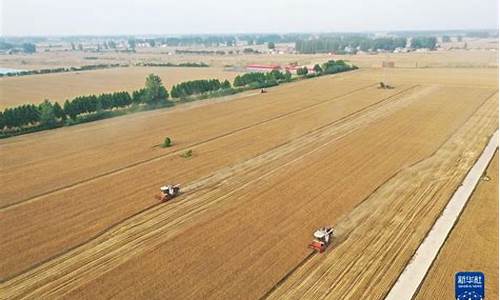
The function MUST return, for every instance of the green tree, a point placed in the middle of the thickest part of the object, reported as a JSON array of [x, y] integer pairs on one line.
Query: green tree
[[226, 84], [318, 69], [138, 96], [167, 142], [302, 71], [59, 112], [155, 92], [2, 121], [69, 109], [47, 115], [271, 45], [29, 48], [131, 43]]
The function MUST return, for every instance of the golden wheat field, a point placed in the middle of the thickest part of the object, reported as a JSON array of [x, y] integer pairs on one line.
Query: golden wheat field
[[61, 86], [266, 170]]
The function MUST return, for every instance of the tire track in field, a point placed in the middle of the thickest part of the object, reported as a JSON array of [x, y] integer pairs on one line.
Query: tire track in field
[[378, 236], [179, 151], [161, 222]]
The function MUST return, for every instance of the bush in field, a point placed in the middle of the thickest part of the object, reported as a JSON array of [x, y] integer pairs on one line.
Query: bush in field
[[187, 154], [166, 143]]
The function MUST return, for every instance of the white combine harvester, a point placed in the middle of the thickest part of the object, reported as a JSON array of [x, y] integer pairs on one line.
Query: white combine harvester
[[322, 239], [168, 192]]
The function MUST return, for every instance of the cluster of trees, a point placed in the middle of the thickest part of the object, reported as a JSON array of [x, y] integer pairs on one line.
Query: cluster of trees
[[478, 34], [339, 44], [60, 70], [49, 114], [45, 113], [28, 48], [334, 66], [424, 42], [250, 51], [203, 52], [193, 87], [330, 67], [93, 103], [446, 38], [270, 78], [154, 94], [100, 66], [217, 40]]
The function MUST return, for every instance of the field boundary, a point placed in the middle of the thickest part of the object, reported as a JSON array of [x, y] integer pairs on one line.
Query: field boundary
[[415, 272]]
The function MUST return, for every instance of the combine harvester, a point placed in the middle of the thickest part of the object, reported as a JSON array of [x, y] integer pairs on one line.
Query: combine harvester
[[168, 192], [322, 239]]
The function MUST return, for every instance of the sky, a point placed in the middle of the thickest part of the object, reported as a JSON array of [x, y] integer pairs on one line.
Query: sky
[[135, 17]]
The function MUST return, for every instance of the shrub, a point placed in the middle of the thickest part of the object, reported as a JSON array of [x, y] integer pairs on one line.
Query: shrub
[[187, 154], [166, 143]]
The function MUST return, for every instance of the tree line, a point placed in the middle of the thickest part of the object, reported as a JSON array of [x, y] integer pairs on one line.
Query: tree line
[[424, 42], [193, 87], [203, 52], [187, 64], [100, 66], [63, 69], [52, 114], [341, 44], [46, 115], [258, 78]]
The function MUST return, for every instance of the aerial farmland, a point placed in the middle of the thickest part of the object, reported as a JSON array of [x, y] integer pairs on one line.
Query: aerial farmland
[[248, 166]]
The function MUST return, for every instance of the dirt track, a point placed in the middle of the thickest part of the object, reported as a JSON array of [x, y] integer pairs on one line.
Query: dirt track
[[258, 175]]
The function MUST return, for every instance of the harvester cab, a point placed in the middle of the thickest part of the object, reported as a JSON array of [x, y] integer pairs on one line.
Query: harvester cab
[[168, 192], [322, 239]]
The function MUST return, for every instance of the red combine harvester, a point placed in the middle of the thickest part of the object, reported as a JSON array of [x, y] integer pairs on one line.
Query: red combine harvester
[[322, 239], [168, 192]]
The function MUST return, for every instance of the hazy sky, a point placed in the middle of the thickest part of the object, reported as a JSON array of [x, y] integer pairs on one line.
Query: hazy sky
[[101, 17]]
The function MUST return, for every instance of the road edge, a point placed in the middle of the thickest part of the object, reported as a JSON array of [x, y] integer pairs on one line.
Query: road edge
[[416, 270]]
